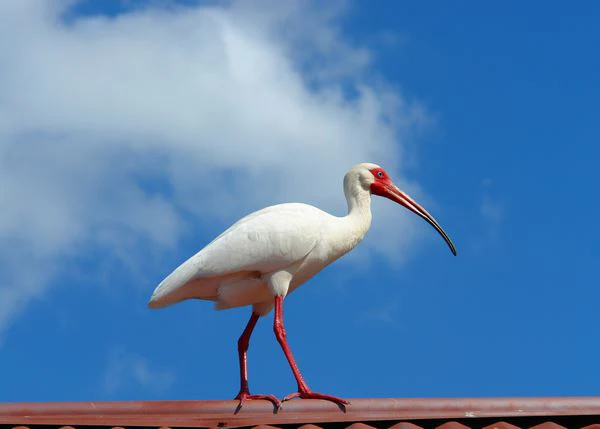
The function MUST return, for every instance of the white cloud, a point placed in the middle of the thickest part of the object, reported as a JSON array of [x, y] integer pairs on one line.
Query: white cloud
[[124, 369], [220, 109]]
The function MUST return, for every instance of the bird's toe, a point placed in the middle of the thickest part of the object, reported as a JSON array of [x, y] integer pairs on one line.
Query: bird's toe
[[247, 396], [308, 394]]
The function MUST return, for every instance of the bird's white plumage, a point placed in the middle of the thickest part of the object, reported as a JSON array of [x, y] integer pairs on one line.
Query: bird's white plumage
[[266, 255], [247, 262]]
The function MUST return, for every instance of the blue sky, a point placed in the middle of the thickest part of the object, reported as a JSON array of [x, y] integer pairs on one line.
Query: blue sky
[[131, 136]]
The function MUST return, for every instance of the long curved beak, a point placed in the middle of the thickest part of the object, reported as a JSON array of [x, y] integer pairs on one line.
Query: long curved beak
[[392, 192]]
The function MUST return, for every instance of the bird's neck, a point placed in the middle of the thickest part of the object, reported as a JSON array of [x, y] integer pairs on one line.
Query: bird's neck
[[359, 216], [347, 231], [359, 203]]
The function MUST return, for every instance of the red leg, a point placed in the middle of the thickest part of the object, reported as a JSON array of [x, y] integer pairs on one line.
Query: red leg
[[303, 390], [243, 344]]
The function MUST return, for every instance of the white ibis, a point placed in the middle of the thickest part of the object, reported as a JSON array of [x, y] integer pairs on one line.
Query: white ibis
[[266, 255]]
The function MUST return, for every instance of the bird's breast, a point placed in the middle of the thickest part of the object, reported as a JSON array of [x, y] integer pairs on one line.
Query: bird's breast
[[334, 243]]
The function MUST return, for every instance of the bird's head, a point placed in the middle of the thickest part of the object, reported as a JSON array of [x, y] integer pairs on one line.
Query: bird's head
[[377, 181]]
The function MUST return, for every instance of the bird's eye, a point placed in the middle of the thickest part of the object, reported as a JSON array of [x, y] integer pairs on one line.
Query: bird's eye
[[380, 173]]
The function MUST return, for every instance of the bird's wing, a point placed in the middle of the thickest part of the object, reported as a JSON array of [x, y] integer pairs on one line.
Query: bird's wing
[[264, 241]]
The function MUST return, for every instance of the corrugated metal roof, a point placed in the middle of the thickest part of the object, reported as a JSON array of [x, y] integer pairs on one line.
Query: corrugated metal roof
[[446, 413]]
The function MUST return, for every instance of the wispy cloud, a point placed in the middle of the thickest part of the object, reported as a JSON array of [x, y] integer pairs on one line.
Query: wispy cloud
[[125, 369], [492, 213], [111, 129], [385, 313]]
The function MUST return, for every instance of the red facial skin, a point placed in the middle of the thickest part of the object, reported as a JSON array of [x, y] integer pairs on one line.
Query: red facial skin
[[381, 177]]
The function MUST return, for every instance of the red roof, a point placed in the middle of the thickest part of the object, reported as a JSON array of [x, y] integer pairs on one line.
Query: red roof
[[500, 413]]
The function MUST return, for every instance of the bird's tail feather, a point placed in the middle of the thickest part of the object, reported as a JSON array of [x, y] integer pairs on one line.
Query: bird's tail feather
[[179, 285]]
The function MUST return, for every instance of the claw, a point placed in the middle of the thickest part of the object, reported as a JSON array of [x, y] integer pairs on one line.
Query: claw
[[308, 394], [291, 396], [246, 396]]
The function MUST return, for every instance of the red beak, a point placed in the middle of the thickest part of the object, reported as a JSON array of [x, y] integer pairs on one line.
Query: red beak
[[391, 191]]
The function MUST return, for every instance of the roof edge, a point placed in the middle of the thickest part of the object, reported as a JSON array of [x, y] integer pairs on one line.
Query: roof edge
[[214, 413]]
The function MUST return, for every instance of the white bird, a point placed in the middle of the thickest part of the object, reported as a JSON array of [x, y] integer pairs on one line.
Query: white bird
[[266, 255]]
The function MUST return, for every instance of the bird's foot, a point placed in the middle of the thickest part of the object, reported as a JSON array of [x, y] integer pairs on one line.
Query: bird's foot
[[308, 394], [246, 396]]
